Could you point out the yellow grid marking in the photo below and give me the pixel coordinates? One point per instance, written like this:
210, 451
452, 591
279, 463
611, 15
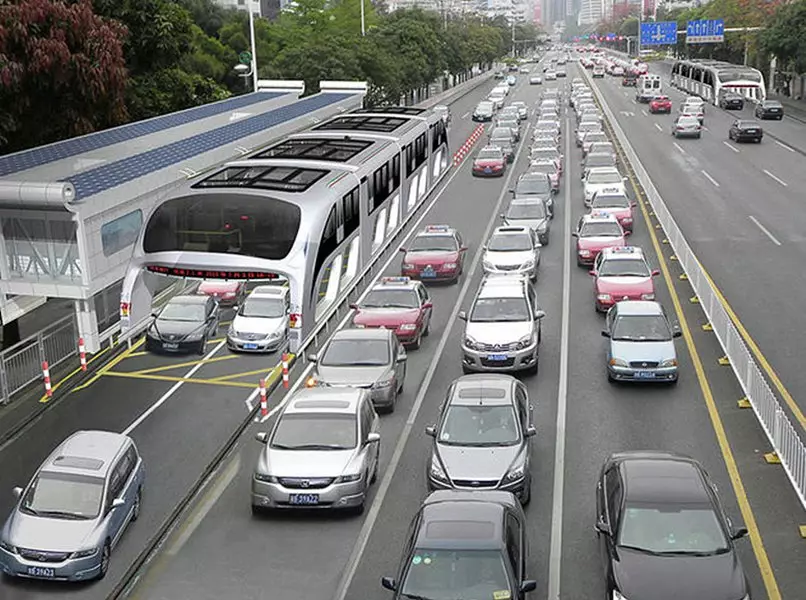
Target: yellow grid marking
190, 363
112, 363
178, 379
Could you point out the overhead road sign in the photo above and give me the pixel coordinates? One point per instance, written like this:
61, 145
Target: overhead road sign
705, 31
658, 34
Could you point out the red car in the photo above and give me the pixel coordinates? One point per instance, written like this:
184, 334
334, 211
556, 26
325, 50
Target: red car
621, 274
229, 293
397, 303
550, 169
617, 205
660, 104
435, 254
490, 162
595, 232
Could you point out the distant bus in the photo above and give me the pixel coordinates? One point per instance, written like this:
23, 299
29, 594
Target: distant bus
705, 78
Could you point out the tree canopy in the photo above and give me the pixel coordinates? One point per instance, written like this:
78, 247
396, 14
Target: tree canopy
785, 36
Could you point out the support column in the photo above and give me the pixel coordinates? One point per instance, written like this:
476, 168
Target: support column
87, 322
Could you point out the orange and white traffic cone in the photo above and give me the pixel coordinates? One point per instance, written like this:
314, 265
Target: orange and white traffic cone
82, 354
46, 374
285, 370
264, 403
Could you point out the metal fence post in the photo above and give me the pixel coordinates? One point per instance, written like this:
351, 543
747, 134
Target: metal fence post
4, 395
40, 343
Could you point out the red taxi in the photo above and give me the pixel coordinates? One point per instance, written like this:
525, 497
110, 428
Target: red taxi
621, 273
398, 303
229, 293
595, 232
660, 104
490, 162
436, 254
618, 205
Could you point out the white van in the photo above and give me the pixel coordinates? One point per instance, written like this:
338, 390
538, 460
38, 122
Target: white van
648, 87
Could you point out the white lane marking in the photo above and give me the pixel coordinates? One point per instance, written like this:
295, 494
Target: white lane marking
765, 230
676, 145
731, 146
464, 116
556, 546
210, 500
658, 127
776, 178
784, 146
386, 482
644, 112
709, 178
164, 398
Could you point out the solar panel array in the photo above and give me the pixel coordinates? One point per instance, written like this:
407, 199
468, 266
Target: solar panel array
105, 177
36, 157
339, 150
363, 123
390, 110
279, 179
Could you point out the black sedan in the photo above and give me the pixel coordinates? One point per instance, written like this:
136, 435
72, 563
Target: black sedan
770, 109
185, 324
731, 100
662, 531
745, 131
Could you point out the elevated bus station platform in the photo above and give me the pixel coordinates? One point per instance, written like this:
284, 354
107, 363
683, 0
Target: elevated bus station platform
70, 212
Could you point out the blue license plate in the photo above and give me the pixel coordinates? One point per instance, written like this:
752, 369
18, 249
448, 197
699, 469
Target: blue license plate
250, 346
41, 572
645, 375
170, 345
488, 170
428, 274
497, 357
304, 499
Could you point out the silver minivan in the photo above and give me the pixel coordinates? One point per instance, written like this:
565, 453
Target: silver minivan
503, 330
74, 511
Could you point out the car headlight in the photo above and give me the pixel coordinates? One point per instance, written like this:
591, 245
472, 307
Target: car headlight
379, 385
449, 266
7, 547
516, 472
488, 265
436, 471
529, 264
647, 297
669, 362
86, 553
618, 362
277, 334
583, 252
408, 267
603, 297
349, 478
542, 227
359, 325
408, 327
265, 478
471, 343
525, 341
193, 337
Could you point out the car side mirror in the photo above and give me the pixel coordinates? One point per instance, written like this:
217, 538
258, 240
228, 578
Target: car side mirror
428, 305
603, 527
402, 250
539, 314
605, 333
354, 306
402, 356
528, 585
592, 273
262, 437
530, 431
17, 491
117, 503
627, 233
633, 204
463, 249
313, 357
677, 333
431, 431
738, 533
462, 315
155, 314
575, 234
502, 216
373, 437
655, 273
389, 583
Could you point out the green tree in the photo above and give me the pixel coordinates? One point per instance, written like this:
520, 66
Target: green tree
62, 72
785, 36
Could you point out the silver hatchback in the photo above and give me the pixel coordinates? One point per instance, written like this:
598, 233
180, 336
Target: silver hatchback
74, 511
322, 453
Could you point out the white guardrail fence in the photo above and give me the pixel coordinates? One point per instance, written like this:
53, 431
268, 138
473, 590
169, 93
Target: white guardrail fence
784, 437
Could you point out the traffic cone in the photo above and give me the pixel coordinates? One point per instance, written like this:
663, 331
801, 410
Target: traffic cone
82, 353
285, 370
264, 403
46, 374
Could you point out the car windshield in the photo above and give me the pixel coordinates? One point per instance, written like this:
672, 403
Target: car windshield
176, 311
600, 229
604, 160
641, 328
547, 168
497, 310
64, 496
387, 298
490, 154
436, 243
624, 267
687, 120
485, 107
356, 353
480, 426
266, 308
610, 202
313, 431
595, 136
526, 210
604, 177
510, 242
450, 574
501, 133
509, 123
528, 186
672, 529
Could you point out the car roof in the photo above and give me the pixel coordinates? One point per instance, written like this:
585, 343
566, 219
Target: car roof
344, 400
594, 170
622, 253
599, 217
639, 308
532, 175
511, 230
748, 122
396, 283
483, 390
87, 453
363, 334
454, 519
198, 299
665, 479
502, 286
431, 230
271, 291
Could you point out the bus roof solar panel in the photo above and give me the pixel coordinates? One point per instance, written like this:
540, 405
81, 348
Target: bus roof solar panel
36, 157
316, 149
363, 123
108, 176
390, 110
278, 179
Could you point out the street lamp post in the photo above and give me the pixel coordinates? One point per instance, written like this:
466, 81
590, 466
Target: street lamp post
363, 21
252, 43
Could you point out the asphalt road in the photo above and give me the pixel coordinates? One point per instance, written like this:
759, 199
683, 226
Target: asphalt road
740, 207
221, 551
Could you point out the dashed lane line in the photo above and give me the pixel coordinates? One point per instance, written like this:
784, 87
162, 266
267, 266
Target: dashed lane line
765, 230
784, 146
709, 178
775, 178
658, 127
731, 146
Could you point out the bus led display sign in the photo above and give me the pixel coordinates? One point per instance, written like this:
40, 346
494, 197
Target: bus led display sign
211, 273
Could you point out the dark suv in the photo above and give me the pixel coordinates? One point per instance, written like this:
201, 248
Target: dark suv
730, 100
465, 545
770, 109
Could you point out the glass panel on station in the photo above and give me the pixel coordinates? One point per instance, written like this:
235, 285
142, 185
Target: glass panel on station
41, 249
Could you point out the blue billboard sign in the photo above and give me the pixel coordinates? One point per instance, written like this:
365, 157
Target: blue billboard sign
705, 31
658, 34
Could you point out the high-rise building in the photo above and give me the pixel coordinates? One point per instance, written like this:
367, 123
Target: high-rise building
591, 12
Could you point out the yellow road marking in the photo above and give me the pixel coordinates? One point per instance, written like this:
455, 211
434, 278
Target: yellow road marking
44, 399
770, 583
244, 374
134, 354
190, 363
762, 361
112, 363
216, 341
177, 379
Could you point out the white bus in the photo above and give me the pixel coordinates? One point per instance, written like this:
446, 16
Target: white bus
705, 78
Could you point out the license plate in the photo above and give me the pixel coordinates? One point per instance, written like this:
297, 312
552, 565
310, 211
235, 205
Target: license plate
645, 375
497, 357
751, 131
250, 346
428, 273
170, 345
41, 572
304, 499
488, 170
